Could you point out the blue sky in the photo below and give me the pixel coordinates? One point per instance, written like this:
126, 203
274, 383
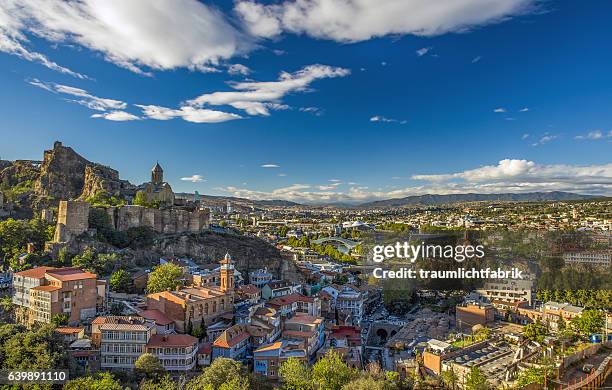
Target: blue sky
296, 101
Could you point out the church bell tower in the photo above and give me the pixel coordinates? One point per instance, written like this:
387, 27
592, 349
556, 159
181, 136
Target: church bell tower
227, 273
157, 174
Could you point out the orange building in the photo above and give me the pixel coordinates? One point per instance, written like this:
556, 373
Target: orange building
470, 314
43, 292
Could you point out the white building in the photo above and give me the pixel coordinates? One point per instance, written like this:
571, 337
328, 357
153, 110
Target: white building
597, 258
508, 290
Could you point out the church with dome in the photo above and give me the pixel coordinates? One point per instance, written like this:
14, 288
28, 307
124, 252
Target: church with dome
157, 190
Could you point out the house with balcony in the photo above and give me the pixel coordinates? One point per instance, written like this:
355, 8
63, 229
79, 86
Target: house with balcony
176, 352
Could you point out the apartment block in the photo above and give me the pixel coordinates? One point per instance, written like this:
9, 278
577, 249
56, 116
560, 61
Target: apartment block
43, 292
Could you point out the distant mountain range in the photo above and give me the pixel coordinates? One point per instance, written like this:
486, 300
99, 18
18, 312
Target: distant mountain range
457, 198
401, 202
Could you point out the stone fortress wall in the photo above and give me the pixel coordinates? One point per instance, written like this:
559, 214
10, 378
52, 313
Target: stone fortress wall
73, 219
167, 221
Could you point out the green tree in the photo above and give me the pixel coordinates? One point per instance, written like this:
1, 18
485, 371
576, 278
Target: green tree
450, 379
15, 235
535, 331
120, 281
6, 303
591, 321
165, 277
165, 383
38, 348
60, 319
476, 380
331, 373
223, 373
100, 381
149, 365
295, 374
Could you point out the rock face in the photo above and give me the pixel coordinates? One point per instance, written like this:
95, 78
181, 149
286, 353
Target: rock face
248, 253
204, 248
101, 178
64, 174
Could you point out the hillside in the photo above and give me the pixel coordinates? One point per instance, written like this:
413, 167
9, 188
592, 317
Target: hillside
471, 197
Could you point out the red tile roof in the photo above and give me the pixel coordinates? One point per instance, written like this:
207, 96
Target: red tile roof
46, 288
69, 330
249, 289
69, 274
156, 316
231, 337
290, 299
38, 272
205, 349
171, 340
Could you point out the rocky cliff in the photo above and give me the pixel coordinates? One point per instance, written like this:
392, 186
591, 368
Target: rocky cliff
101, 178
249, 253
62, 174
204, 248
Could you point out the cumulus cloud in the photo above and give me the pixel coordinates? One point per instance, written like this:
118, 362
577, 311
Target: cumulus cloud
508, 176
359, 20
239, 69
162, 34
270, 166
258, 97
499, 109
189, 114
117, 116
194, 178
524, 109
380, 118
595, 135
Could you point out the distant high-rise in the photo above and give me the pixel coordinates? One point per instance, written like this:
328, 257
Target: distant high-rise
229, 207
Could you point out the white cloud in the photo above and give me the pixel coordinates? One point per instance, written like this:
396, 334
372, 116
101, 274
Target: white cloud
313, 110
239, 69
422, 51
135, 34
282, 175
525, 136
194, 178
508, 176
476, 59
595, 135
117, 116
546, 138
270, 166
82, 97
359, 20
499, 109
524, 109
379, 118
190, 114
257, 97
